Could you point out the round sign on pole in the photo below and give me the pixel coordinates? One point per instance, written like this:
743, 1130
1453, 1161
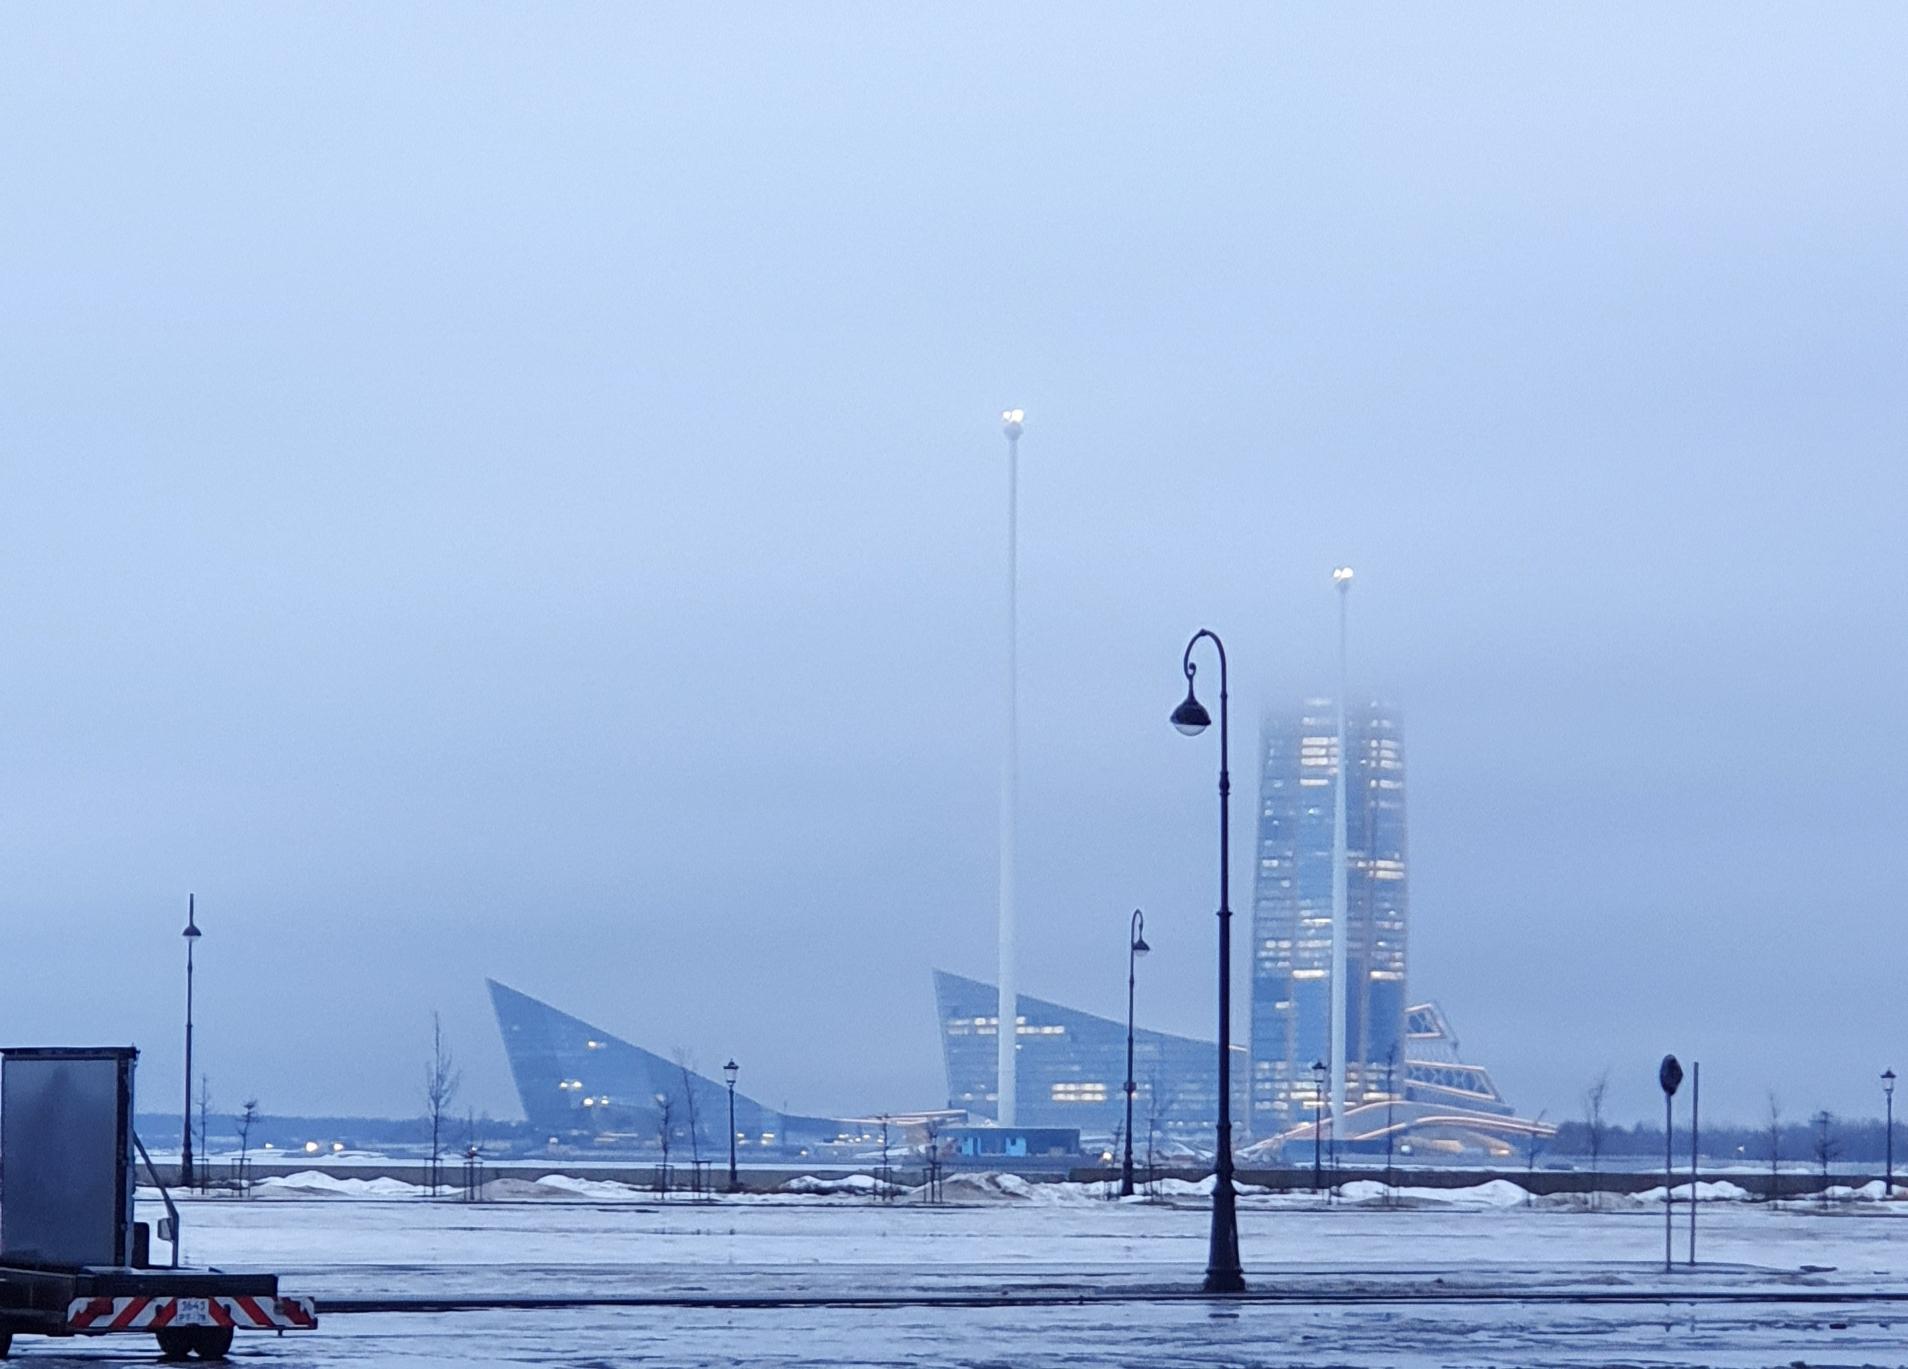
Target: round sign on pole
1670, 1075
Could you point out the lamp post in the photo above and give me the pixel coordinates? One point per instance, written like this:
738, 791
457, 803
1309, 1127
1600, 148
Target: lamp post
1007, 1026
1318, 1125
729, 1071
191, 935
1888, 1145
1223, 1274
1135, 948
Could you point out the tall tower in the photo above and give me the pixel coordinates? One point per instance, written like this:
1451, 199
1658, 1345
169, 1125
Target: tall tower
1342, 578
1293, 946
1007, 1033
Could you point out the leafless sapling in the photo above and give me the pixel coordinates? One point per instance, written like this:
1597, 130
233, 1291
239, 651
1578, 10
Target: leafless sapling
441, 1081
1775, 1148
1595, 1125
244, 1122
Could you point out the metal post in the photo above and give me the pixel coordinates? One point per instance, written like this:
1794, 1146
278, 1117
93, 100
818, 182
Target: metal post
1888, 1094
1008, 1000
1318, 1125
1695, 1142
1669, 1178
1341, 913
729, 1072
191, 935
1135, 947
1669, 1075
1391, 1064
1223, 1271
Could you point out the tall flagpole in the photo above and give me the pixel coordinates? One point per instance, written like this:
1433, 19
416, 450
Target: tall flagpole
1007, 1033
1342, 578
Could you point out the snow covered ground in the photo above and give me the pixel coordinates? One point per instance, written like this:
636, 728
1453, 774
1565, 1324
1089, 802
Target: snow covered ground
1476, 1278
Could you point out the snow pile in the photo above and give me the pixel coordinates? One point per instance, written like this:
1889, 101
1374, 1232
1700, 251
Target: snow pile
990, 1186
1495, 1193
845, 1186
309, 1182
1707, 1191
564, 1185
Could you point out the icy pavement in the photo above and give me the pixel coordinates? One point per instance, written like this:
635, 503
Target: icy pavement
1479, 1282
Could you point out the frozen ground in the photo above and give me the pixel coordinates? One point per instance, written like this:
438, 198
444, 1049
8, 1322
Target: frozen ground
1483, 1280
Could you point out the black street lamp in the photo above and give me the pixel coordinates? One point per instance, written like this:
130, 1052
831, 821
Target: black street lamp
191, 935
1135, 948
1223, 1274
1318, 1124
729, 1071
1888, 1093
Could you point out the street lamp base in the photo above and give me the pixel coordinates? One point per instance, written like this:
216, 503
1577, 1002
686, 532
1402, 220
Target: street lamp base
1225, 1281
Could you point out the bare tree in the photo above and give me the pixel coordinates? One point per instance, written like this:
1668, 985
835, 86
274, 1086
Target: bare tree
1533, 1147
1826, 1148
205, 1107
1155, 1106
1595, 1125
931, 1152
665, 1123
244, 1121
1775, 1148
686, 1064
441, 1081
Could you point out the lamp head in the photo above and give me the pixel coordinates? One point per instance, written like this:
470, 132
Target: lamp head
1191, 717
1888, 1081
730, 1070
1342, 577
1011, 421
1139, 946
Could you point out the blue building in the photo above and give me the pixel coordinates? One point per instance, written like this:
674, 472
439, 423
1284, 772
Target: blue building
1292, 909
1071, 1069
580, 1084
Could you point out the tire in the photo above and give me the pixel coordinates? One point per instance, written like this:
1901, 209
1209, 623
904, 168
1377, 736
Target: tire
6, 1343
175, 1342
211, 1342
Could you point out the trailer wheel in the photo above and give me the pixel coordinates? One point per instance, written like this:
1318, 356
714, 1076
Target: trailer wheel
175, 1342
211, 1342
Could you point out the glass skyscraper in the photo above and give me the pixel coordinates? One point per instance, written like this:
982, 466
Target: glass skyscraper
1292, 910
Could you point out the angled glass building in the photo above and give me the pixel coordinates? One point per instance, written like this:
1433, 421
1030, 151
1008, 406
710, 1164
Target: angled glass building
1071, 1069
580, 1084
1292, 909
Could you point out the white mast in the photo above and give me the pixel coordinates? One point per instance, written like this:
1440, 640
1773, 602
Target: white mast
1007, 1033
1342, 578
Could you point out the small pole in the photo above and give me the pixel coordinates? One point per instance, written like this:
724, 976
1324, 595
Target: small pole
1669, 1175
1670, 1076
1695, 1113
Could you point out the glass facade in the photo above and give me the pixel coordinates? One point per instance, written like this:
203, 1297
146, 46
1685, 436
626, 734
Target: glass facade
578, 1083
1292, 909
1071, 1068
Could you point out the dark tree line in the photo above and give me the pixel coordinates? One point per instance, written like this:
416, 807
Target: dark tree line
1853, 1141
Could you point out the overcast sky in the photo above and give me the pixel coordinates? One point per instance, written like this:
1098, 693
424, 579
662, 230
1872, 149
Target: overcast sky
518, 491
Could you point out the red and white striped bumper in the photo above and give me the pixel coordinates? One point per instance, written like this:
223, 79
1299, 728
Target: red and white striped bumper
94, 1316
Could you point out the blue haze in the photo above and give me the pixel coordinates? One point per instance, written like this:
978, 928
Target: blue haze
515, 490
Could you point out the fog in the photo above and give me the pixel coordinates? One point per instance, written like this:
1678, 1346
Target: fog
518, 491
